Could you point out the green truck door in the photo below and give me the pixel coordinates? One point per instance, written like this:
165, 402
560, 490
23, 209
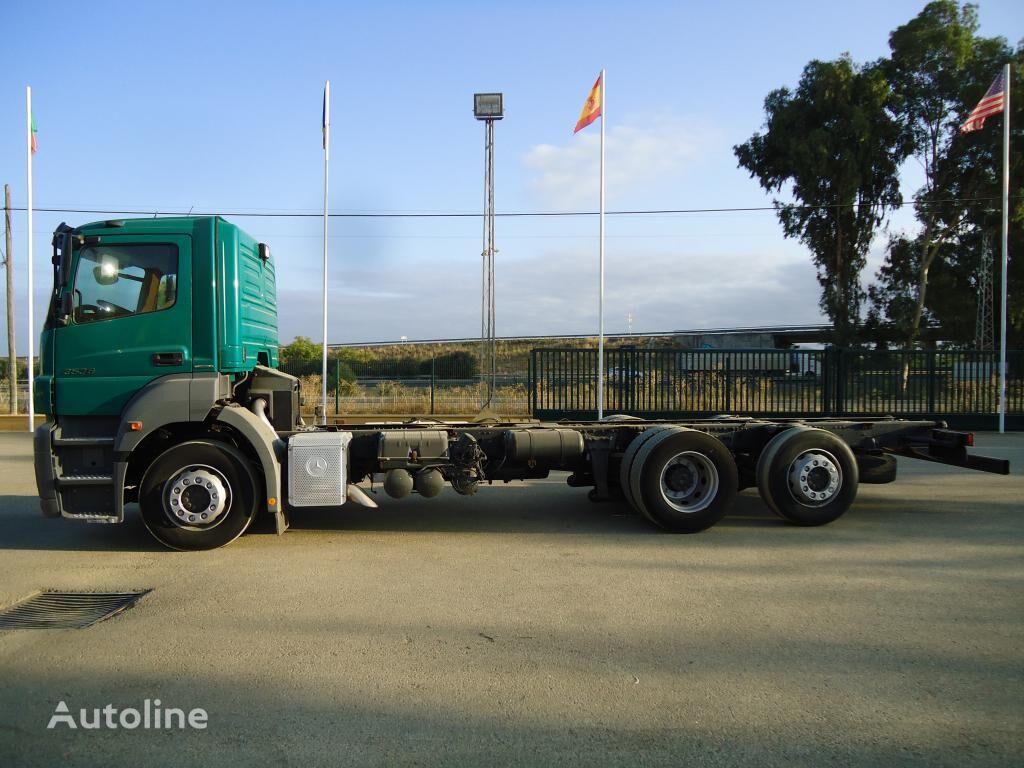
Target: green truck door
131, 322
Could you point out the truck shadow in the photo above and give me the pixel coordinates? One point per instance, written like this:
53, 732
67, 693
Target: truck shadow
23, 527
531, 511
574, 514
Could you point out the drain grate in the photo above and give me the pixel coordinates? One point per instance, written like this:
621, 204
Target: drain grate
66, 610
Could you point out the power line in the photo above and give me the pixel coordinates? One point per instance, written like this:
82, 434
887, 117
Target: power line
508, 214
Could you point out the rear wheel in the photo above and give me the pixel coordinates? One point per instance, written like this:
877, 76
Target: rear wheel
629, 458
807, 476
764, 464
198, 495
686, 481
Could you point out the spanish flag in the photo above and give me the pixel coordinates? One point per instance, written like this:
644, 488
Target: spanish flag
592, 109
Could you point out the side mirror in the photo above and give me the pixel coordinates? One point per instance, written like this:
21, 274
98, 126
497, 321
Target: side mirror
264, 252
62, 244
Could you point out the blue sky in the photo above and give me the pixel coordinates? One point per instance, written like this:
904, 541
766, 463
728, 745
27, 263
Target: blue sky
216, 107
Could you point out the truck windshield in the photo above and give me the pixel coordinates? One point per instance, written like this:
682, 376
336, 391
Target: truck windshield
118, 280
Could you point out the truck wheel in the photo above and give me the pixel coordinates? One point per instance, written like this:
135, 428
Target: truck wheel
764, 462
629, 458
198, 495
688, 481
808, 476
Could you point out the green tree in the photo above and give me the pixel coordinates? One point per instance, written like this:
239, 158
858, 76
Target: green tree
938, 69
837, 150
301, 349
301, 358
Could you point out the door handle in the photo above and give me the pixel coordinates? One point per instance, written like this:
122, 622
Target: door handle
168, 358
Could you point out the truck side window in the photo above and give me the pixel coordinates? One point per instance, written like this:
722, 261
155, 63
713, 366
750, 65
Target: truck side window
119, 280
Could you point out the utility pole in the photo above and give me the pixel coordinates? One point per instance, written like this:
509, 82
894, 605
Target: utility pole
12, 357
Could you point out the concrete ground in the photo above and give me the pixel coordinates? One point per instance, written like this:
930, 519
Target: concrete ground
527, 626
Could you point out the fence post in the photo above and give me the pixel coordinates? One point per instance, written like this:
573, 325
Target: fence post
826, 381
728, 383
843, 361
337, 386
433, 374
931, 380
532, 379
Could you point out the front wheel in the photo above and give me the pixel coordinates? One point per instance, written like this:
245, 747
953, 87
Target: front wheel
198, 495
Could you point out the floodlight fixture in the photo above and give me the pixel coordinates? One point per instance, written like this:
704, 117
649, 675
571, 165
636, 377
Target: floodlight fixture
488, 106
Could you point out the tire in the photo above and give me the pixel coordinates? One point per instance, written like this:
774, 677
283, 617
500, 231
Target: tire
192, 479
808, 476
764, 461
628, 458
687, 480
636, 468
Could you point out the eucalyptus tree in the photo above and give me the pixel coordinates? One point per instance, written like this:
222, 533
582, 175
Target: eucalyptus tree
832, 150
938, 69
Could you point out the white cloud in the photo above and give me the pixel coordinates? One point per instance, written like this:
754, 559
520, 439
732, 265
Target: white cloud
556, 292
639, 154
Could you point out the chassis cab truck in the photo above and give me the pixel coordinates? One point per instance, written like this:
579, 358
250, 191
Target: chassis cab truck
158, 378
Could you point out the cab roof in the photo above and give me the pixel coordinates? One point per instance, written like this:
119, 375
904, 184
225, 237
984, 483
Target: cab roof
157, 225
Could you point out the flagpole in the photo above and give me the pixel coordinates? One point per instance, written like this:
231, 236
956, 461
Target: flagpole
600, 301
1006, 217
31, 325
327, 154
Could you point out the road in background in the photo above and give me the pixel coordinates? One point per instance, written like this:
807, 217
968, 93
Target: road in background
527, 626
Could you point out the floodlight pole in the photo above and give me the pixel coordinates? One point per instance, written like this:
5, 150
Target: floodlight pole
490, 352
488, 107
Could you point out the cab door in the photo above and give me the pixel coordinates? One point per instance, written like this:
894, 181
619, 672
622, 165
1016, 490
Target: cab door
131, 321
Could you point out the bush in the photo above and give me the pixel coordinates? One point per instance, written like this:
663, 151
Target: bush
304, 358
454, 365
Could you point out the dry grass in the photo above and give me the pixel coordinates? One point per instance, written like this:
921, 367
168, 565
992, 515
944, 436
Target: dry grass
5, 397
389, 397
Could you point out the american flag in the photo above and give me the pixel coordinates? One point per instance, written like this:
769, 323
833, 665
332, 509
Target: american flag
991, 103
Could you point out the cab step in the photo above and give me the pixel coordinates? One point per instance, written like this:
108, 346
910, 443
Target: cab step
76, 480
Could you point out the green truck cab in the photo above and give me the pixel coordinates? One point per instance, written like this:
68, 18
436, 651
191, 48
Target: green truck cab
154, 327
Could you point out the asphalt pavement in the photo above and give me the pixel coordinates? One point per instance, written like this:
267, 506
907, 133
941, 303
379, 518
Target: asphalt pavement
527, 626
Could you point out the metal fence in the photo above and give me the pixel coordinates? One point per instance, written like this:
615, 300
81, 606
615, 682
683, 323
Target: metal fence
961, 387
441, 386
5, 396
